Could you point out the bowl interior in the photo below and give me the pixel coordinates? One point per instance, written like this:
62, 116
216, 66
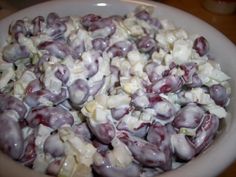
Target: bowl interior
223, 150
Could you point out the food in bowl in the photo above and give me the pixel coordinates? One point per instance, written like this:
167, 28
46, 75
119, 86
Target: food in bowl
128, 95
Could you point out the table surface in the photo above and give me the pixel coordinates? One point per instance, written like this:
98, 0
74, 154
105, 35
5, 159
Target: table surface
224, 23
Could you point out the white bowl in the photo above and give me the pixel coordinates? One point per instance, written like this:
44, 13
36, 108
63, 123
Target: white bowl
223, 151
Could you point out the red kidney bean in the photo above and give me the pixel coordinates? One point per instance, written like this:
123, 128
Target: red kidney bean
104, 132
8, 102
52, 18
11, 138
54, 167
118, 113
154, 98
92, 68
14, 52
93, 90
167, 84
143, 15
55, 48
201, 45
38, 25
19, 27
206, 132
144, 152
33, 86
190, 116
54, 146
218, 94
56, 30
78, 50
140, 131
89, 19
120, 48
101, 148
150, 69
82, 131
183, 148
189, 69
63, 73
164, 109
100, 43
33, 99
53, 117
108, 170
196, 81
146, 44
79, 92
29, 153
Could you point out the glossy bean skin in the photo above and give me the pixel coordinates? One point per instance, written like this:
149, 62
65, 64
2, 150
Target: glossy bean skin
120, 48
63, 73
100, 43
55, 48
8, 102
33, 86
201, 45
206, 132
82, 131
167, 84
219, 95
164, 114
30, 151
54, 167
94, 89
79, 92
33, 99
103, 23
56, 29
144, 152
107, 170
104, 132
151, 72
38, 23
14, 52
146, 44
52, 18
189, 70
54, 146
19, 27
89, 19
53, 117
11, 138
190, 116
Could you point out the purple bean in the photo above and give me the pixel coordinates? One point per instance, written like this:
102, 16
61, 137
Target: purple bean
196, 81
79, 92
120, 48
8, 102
143, 15
82, 131
206, 132
63, 73
93, 90
18, 27
55, 48
54, 146
92, 68
100, 43
57, 29
154, 98
104, 132
183, 148
167, 84
30, 151
38, 25
101, 148
33, 86
219, 95
146, 44
38, 68
33, 99
189, 70
150, 69
155, 22
54, 167
103, 23
108, 170
201, 46
144, 152
118, 113
164, 110
78, 50
11, 138
53, 117
14, 52
115, 75
140, 131
52, 18
190, 116
89, 19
